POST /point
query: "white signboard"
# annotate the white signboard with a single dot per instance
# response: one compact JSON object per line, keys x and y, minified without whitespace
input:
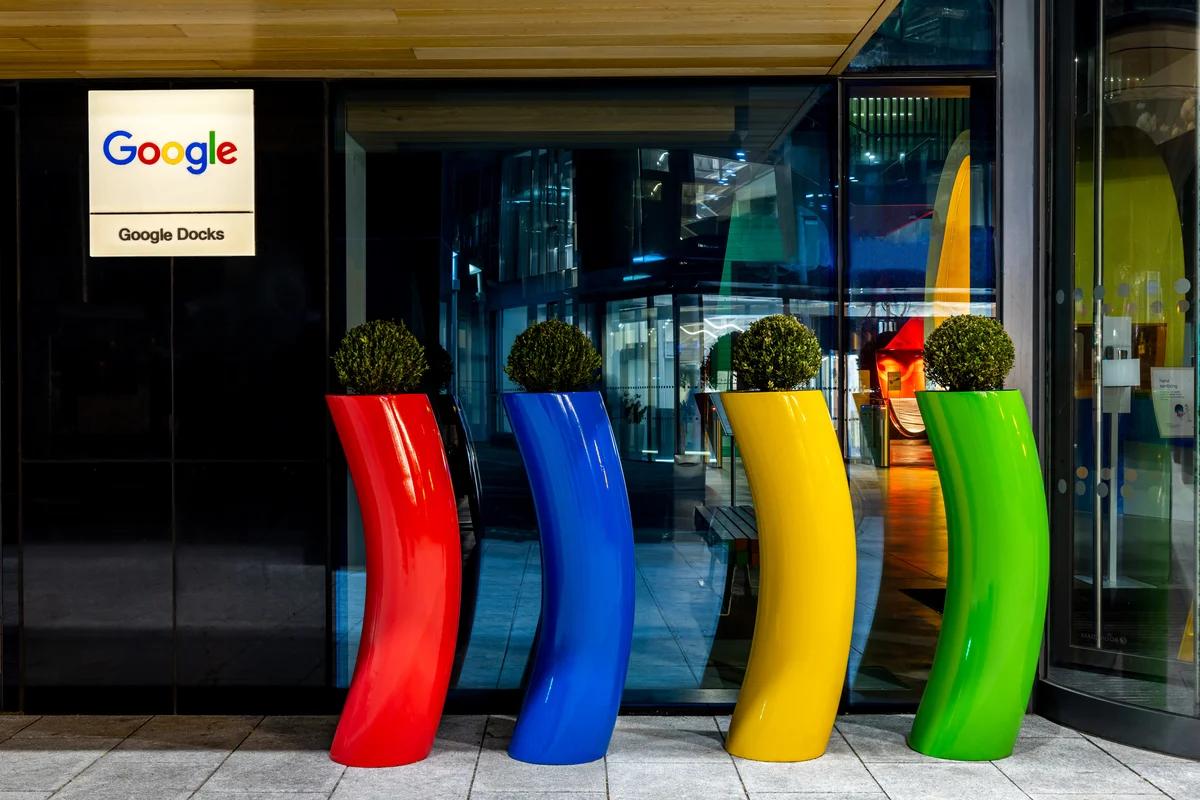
{"x":1174,"y":393}
{"x":171,"y":172}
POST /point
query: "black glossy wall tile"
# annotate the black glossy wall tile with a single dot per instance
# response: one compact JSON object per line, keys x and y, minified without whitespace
{"x":250,"y":366}
{"x":251,"y":580}
{"x":97,"y":575}
{"x":96,"y":331}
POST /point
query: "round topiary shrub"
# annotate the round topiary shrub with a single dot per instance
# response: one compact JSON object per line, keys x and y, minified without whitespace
{"x":380,"y":357}
{"x":552,"y":356}
{"x":776,"y":354}
{"x":969,"y":354}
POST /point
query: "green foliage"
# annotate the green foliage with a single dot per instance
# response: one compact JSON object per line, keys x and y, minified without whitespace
{"x":441,"y":368}
{"x":380,"y":357}
{"x":776,"y":354}
{"x":552,"y":356}
{"x":969,"y":354}
{"x":709,"y":369}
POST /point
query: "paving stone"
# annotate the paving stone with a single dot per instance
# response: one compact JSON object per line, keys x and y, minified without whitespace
{"x":533,"y":796}
{"x":944,"y":781}
{"x":292,"y":733}
{"x":204,"y":794}
{"x":14,"y":723}
{"x":1180,"y":781}
{"x":1066,"y":766}
{"x":499,"y":773}
{"x":45,"y":765}
{"x":71,"y":792}
{"x":460,"y":733}
{"x":1036,"y":727}
{"x":443,"y":776}
{"x":1087,"y":796}
{"x":667,"y":739}
{"x":276,"y":771}
{"x":172,"y":738}
{"x":818,"y":796}
{"x":129,"y":776}
{"x":805,"y":795}
{"x":881,"y":737}
{"x":839,"y":770}
{"x":1135,"y":757}
{"x":76,"y":727}
{"x":689,"y":781}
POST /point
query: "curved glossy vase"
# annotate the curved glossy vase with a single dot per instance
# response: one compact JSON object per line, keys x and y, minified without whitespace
{"x":806,"y":548}
{"x":414,"y":574}
{"x":582,"y":652}
{"x":996,"y":524}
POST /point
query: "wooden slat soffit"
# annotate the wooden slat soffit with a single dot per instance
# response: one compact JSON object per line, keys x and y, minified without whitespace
{"x":431,"y":38}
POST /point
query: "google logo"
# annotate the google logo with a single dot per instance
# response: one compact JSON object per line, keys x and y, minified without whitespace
{"x":198,"y":154}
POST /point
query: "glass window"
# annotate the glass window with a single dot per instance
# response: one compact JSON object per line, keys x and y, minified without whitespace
{"x":932,"y":33}
{"x":660,"y":222}
{"x":663,"y":221}
{"x":1123,"y":589}
{"x":920,"y":231}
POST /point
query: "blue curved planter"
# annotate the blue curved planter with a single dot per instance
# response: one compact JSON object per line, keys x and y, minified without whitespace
{"x":582,"y":653}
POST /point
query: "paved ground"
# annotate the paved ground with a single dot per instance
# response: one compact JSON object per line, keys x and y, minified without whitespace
{"x":284,"y":758}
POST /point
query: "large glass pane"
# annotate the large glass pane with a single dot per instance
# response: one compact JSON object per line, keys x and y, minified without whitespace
{"x":662,"y":222}
{"x":1124,"y":496}
{"x":932,"y":33}
{"x":920,"y":229}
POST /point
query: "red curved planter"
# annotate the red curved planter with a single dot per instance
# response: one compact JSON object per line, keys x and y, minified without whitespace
{"x":414,"y":577}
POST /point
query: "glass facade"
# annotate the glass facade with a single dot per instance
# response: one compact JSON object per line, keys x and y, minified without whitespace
{"x":920,"y":34}
{"x":662,"y":222}
{"x":920,"y":230}
{"x":178,"y":532}
{"x":1123,"y":493}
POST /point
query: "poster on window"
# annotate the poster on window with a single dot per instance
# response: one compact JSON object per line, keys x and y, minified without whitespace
{"x":1174,"y":392}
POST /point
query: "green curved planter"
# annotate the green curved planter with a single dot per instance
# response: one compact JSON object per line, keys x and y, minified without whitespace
{"x":995,"y":612}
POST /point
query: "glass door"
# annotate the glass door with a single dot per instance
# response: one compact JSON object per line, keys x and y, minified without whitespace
{"x":1123,"y":593}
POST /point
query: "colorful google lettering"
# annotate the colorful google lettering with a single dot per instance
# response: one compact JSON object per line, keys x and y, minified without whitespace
{"x":198,"y":154}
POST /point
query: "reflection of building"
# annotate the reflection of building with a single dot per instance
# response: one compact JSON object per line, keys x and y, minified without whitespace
{"x":662,"y":236}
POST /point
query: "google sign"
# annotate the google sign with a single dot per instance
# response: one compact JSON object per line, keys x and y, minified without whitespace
{"x":171,"y":172}
{"x":198,"y":154}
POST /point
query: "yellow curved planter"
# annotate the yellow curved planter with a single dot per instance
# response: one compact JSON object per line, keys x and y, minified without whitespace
{"x":806,"y":580}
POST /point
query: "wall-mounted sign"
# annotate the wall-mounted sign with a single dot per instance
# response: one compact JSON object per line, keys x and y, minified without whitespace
{"x":1174,"y":393}
{"x":171,"y":172}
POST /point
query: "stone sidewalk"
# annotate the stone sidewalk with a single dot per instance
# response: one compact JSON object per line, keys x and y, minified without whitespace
{"x":284,"y":758}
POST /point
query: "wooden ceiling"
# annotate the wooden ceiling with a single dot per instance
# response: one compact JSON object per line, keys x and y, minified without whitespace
{"x":430,"y":38}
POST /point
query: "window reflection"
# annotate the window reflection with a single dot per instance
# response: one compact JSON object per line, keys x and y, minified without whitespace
{"x":1124,"y":591}
{"x":928,"y":33}
{"x":664,"y":227}
{"x":920,"y":237}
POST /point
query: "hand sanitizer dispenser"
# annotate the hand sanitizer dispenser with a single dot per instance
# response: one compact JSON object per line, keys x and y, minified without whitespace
{"x":1120,"y":368}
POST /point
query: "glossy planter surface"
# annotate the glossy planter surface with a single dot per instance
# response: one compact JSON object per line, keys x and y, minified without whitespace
{"x":464,"y":475}
{"x":414,"y":573}
{"x":806,"y":544}
{"x":582,"y":653}
{"x":987,"y":651}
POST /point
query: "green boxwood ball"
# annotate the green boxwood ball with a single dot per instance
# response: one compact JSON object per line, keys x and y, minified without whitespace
{"x":776,"y":354}
{"x":969,"y":353}
{"x":552,"y":356}
{"x":380,"y":357}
